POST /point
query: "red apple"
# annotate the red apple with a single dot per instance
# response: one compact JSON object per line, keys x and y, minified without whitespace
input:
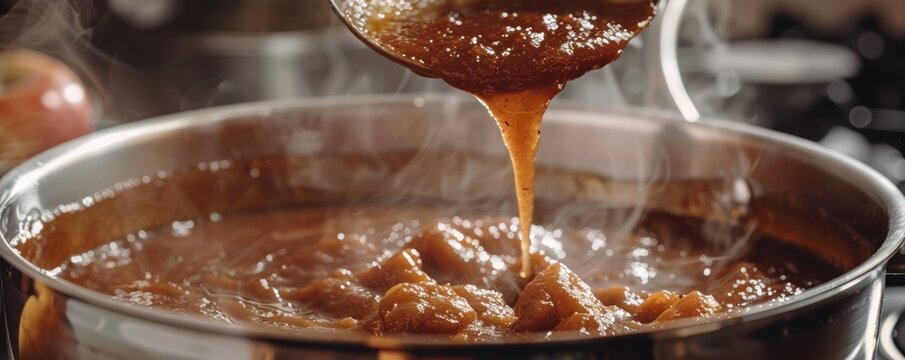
{"x":42,"y":104}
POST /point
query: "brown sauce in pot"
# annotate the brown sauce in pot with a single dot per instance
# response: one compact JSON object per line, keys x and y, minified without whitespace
{"x":403,"y":270}
{"x":400,"y":265}
{"x":513,"y":55}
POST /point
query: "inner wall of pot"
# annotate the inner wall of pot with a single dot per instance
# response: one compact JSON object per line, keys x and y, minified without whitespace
{"x":272,"y":156}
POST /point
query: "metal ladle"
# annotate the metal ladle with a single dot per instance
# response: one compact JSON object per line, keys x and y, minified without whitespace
{"x":660,"y":45}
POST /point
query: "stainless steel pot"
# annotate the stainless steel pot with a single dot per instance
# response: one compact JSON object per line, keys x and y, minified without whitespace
{"x":790,"y":186}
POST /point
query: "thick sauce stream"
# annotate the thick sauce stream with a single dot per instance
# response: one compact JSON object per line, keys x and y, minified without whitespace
{"x":519,"y":116}
{"x":514,"y":56}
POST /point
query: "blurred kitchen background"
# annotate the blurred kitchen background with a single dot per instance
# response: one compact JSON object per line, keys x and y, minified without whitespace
{"x":832,"y":71}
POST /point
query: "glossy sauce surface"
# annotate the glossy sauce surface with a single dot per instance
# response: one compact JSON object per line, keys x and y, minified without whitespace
{"x":404,"y":270}
{"x":399,"y":251}
{"x":513,"y":55}
{"x":494,"y":46}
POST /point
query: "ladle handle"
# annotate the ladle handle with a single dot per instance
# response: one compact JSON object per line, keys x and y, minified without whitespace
{"x":661,"y":42}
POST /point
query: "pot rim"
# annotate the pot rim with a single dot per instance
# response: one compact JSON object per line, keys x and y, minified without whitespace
{"x":26,"y":175}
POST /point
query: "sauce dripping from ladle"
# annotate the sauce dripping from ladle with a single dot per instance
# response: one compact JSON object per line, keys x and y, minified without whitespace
{"x":515,"y":56}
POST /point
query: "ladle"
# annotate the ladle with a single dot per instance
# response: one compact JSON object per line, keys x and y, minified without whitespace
{"x":660,"y":43}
